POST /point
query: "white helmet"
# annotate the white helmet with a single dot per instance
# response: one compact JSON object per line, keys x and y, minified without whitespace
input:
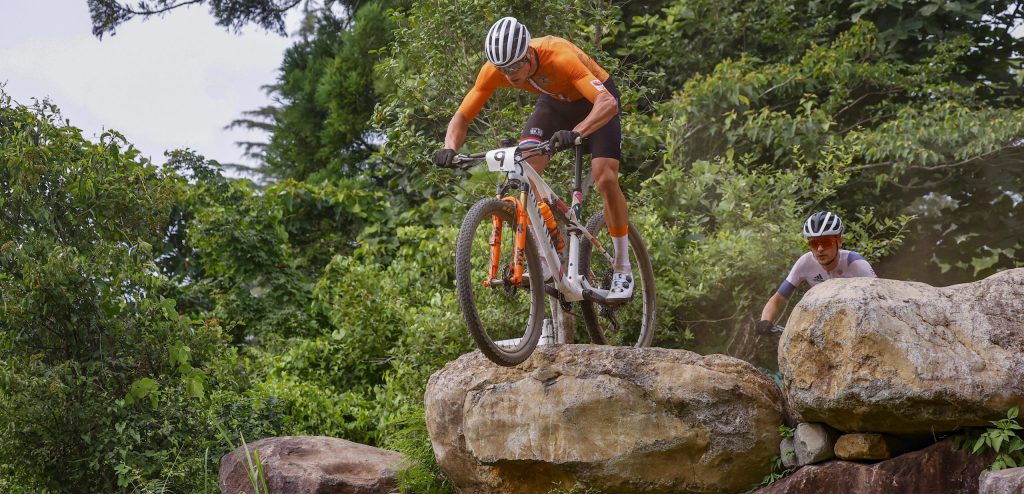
{"x":823,"y":224}
{"x":506,"y":42}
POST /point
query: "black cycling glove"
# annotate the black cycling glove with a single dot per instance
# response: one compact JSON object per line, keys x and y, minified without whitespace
{"x":764,"y":327}
{"x":444,"y":158}
{"x":564,"y":139}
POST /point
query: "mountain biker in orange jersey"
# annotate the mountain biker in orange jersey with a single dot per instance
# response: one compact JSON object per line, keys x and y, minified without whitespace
{"x":577,"y":99}
{"x":826,"y":260}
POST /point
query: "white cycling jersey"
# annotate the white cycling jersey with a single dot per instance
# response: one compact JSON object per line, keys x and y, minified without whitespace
{"x":807,"y":268}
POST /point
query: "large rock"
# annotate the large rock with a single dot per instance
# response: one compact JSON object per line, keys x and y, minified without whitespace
{"x":877,"y":355}
{"x":313,"y":465}
{"x":937,"y":469}
{"x":611,"y":418}
{"x":1009,"y":481}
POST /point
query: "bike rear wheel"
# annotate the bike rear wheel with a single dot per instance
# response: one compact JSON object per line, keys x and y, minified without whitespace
{"x":629,"y":323}
{"x":504,"y":320}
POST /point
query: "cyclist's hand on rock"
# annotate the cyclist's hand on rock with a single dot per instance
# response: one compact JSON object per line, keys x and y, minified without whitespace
{"x":444,"y":158}
{"x":564,"y":139}
{"x":764,"y":327}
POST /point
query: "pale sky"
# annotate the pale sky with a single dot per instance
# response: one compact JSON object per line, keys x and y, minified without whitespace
{"x":164,"y":83}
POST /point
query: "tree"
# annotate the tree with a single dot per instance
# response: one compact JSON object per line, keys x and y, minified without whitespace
{"x":107,"y":15}
{"x":99,"y":368}
{"x":325,"y":96}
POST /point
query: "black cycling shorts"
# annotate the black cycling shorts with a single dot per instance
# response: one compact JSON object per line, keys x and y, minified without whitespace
{"x":550,"y":116}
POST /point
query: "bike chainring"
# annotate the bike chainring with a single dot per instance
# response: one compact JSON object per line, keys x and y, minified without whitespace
{"x":565,"y":304}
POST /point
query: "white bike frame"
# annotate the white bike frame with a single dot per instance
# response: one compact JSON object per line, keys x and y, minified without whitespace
{"x":570,"y":283}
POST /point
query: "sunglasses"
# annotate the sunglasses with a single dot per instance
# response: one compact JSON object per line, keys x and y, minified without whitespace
{"x":512,"y":69}
{"x":822,"y":242}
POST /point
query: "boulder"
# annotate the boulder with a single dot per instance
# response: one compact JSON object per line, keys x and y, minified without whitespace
{"x":1008,"y":481}
{"x":875,"y":355}
{"x":610,"y":418}
{"x":937,"y":469}
{"x":313,"y":465}
{"x":814,"y":443}
{"x":863,"y":446}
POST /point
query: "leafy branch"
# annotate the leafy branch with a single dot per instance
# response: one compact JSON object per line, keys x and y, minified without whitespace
{"x":994,"y":438}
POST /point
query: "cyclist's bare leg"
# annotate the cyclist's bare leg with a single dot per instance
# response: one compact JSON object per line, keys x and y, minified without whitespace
{"x":616,"y":212}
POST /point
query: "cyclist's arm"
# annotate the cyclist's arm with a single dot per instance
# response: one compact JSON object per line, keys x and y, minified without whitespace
{"x":483,"y":88}
{"x":457,"y":129}
{"x":773,"y":308}
{"x":592,"y":88}
{"x":777,"y":303}
{"x":605,"y":108}
{"x":858,"y":266}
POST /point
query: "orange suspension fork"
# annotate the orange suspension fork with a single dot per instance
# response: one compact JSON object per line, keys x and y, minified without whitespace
{"x":522,"y":222}
{"x":519,"y":243}
{"x":495,"y":244}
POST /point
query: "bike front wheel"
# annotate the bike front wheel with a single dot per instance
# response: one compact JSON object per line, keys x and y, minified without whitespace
{"x":630,"y":323}
{"x":504,"y":320}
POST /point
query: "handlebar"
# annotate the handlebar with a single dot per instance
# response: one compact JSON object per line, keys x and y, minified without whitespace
{"x":526,"y":150}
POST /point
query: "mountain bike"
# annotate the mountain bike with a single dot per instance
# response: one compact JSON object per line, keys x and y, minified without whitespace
{"x":498,"y":272}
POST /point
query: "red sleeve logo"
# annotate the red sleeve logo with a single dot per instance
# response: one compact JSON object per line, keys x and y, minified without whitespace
{"x":597,"y":85}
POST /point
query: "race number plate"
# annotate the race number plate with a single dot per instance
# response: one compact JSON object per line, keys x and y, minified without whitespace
{"x":502,"y":160}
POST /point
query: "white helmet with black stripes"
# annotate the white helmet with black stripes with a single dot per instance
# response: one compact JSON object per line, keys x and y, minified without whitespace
{"x":506,"y":42}
{"x":823,"y":224}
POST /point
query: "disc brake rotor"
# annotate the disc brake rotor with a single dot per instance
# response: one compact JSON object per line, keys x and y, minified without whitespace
{"x":506,"y":275}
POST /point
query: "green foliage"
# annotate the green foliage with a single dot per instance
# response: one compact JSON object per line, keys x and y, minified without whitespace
{"x":423,"y":476}
{"x":677,"y":41}
{"x":260,"y":255}
{"x":326,"y":95}
{"x":99,"y":368}
{"x":786,"y":431}
{"x":146,"y":311}
{"x":107,"y":15}
{"x":576,"y":488}
{"x":254,"y":469}
{"x":993,"y":439}
{"x":779,"y":472}
{"x":921,"y":140}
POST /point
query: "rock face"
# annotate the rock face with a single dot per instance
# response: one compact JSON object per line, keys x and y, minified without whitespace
{"x":1009,"y":481}
{"x":875,"y":355}
{"x":937,"y":469}
{"x":611,"y":418}
{"x":313,"y":464}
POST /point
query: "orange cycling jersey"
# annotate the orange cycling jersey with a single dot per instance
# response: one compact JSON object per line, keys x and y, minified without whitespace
{"x":565,"y":74}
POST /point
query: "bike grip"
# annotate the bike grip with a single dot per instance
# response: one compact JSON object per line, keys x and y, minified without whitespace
{"x":579,"y":140}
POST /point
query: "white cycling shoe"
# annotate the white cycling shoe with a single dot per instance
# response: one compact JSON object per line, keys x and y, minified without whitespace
{"x":622,"y":287}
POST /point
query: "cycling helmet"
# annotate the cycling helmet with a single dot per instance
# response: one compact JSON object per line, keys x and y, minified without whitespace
{"x":823,"y":224}
{"x":506,"y":42}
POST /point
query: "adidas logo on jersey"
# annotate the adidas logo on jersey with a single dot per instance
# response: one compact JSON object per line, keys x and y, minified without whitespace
{"x":819,"y":278}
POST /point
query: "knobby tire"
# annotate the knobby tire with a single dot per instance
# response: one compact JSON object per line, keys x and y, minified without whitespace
{"x":470,"y":272}
{"x":643,"y":291}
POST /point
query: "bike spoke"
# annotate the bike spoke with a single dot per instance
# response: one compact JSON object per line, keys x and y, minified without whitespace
{"x":627,"y":323}
{"x":499,"y":312}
